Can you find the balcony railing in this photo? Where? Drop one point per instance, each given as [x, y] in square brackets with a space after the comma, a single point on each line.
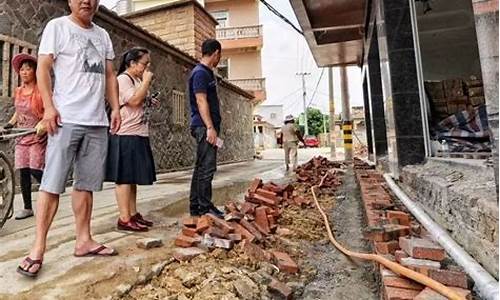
[242, 32]
[254, 84]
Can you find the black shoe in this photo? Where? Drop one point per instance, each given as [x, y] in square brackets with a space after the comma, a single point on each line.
[216, 212]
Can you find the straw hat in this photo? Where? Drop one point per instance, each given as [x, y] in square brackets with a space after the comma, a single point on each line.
[18, 60]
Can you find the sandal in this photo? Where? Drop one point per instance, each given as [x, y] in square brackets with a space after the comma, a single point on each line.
[97, 252]
[31, 263]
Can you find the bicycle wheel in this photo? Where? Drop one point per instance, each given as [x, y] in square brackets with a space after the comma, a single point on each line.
[7, 186]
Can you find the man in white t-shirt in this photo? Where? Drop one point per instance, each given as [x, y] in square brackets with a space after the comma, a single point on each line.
[80, 54]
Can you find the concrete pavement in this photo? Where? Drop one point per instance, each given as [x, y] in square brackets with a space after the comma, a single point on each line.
[164, 203]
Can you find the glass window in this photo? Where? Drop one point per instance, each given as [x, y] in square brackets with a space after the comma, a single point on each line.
[222, 17]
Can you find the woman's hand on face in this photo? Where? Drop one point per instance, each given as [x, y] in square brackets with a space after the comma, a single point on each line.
[147, 76]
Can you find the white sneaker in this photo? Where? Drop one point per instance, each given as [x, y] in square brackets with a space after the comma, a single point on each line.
[23, 214]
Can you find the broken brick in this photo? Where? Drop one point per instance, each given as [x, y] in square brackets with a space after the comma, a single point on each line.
[402, 218]
[235, 237]
[430, 294]
[203, 223]
[255, 251]
[394, 231]
[386, 247]
[188, 231]
[251, 199]
[231, 207]
[260, 229]
[285, 263]
[422, 248]
[248, 226]
[267, 194]
[256, 183]
[392, 293]
[149, 243]
[190, 221]
[185, 241]
[186, 254]
[399, 254]
[375, 233]
[223, 243]
[233, 216]
[215, 232]
[261, 219]
[450, 278]
[264, 200]
[248, 208]
[280, 288]
[399, 282]
[221, 224]
[243, 231]
[420, 265]
[271, 220]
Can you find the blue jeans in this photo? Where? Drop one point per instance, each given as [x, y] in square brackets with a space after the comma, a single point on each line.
[200, 199]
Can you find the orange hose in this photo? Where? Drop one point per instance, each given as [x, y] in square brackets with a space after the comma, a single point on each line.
[395, 267]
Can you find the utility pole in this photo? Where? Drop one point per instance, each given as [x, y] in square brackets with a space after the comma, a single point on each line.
[346, 114]
[332, 114]
[303, 74]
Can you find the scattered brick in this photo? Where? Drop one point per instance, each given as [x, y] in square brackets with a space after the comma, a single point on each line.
[245, 234]
[271, 220]
[422, 248]
[231, 207]
[394, 231]
[204, 222]
[256, 183]
[190, 221]
[235, 237]
[267, 194]
[223, 225]
[149, 243]
[402, 218]
[285, 263]
[250, 199]
[280, 288]
[265, 201]
[234, 216]
[185, 241]
[186, 254]
[375, 233]
[399, 254]
[420, 265]
[248, 208]
[430, 294]
[188, 231]
[261, 219]
[216, 232]
[248, 226]
[255, 251]
[223, 243]
[399, 282]
[392, 293]
[450, 278]
[386, 247]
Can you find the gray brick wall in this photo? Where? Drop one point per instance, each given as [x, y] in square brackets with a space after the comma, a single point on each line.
[172, 144]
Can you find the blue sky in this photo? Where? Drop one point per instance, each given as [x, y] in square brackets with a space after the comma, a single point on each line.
[285, 53]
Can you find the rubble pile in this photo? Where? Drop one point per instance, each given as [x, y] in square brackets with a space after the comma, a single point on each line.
[313, 171]
[400, 238]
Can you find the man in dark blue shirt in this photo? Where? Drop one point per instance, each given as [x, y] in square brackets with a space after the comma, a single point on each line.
[205, 127]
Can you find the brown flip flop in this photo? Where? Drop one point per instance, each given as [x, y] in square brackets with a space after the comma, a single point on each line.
[97, 252]
[31, 263]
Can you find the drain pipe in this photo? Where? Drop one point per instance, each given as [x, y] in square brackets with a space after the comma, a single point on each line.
[486, 285]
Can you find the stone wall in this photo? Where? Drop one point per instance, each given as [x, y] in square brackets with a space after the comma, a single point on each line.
[184, 24]
[461, 198]
[172, 144]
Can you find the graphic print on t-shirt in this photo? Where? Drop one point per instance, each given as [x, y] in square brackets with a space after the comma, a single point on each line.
[91, 59]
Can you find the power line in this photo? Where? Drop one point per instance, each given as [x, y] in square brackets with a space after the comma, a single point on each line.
[283, 98]
[316, 88]
[277, 13]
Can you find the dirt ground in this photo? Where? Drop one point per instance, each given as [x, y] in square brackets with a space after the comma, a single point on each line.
[325, 273]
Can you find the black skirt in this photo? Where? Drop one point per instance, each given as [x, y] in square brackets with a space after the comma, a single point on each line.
[130, 160]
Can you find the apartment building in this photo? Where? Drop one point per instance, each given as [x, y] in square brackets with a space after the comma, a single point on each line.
[238, 30]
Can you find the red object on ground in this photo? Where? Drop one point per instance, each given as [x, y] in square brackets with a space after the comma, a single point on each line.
[311, 141]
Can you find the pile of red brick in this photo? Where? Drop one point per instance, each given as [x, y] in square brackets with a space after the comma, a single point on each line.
[313, 171]
[400, 238]
[248, 224]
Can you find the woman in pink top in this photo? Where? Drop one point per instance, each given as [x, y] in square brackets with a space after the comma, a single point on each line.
[130, 159]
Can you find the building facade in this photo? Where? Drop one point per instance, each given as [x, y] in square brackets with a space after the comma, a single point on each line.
[271, 113]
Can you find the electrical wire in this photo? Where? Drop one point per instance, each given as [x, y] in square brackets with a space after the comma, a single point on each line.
[316, 88]
[277, 13]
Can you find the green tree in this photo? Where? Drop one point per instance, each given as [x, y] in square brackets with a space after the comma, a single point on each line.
[314, 121]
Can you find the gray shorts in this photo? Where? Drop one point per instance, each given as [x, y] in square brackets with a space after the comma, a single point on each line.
[84, 148]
